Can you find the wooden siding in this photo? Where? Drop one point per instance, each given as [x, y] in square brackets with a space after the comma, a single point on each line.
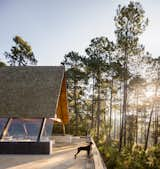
[62, 109]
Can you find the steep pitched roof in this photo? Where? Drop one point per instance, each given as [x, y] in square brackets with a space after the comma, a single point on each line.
[31, 91]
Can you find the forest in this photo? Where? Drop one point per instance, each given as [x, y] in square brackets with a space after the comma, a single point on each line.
[114, 94]
[113, 91]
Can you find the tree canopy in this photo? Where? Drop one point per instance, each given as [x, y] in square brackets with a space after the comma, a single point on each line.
[21, 53]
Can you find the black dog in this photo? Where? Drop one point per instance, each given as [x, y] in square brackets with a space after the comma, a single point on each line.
[85, 148]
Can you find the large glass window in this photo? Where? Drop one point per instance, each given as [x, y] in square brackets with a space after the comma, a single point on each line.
[23, 130]
[47, 130]
[26, 129]
[3, 121]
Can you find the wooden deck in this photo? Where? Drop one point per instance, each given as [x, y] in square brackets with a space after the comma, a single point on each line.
[61, 158]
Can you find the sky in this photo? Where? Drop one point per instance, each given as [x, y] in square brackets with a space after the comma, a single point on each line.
[55, 27]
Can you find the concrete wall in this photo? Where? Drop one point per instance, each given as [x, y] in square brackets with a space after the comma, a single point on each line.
[98, 161]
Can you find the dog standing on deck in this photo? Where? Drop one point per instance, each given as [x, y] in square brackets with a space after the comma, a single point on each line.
[84, 148]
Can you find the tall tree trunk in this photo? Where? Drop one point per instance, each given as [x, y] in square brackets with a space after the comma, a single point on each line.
[75, 106]
[110, 109]
[99, 105]
[150, 119]
[115, 125]
[145, 127]
[141, 129]
[136, 116]
[125, 103]
[121, 133]
[156, 128]
[148, 129]
[121, 122]
[92, 108]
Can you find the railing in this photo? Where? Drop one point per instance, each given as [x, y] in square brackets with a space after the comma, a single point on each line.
[98, 161]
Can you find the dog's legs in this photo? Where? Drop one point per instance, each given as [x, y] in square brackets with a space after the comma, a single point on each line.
[77, 153]
[88, 153]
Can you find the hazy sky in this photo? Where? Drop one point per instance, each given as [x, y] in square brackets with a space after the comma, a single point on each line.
[55, 27]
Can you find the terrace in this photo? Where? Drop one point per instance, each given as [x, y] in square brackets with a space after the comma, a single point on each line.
[62, 157]
[33, 99]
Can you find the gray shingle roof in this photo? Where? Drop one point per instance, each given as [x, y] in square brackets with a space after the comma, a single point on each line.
[30, 91]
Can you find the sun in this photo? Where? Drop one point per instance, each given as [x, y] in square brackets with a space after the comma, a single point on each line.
[149, 93]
